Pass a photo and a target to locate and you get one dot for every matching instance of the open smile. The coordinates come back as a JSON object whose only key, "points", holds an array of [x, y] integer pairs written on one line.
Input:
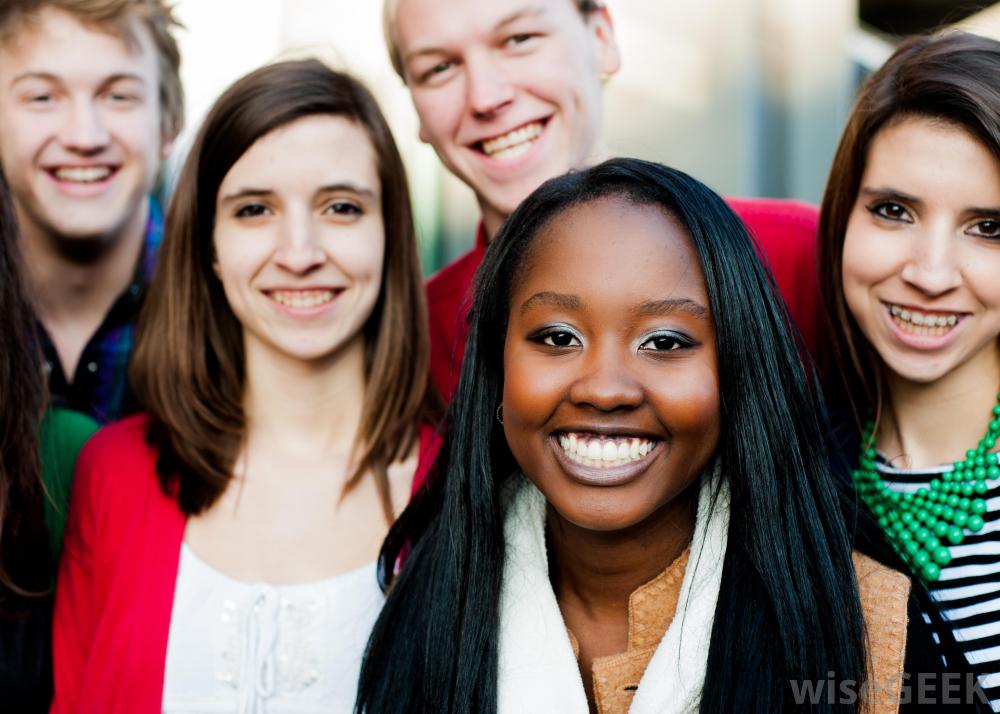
{"points": [[83, 175], [512, 144], [922, 328], [304, 301], [602, 459]]}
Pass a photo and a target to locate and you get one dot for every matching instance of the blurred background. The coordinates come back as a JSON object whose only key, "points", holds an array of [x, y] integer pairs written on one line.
{"points": [[747, 95]]}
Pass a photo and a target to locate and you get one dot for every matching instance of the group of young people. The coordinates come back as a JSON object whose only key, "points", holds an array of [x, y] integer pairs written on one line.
{"points": [[589, 467]]}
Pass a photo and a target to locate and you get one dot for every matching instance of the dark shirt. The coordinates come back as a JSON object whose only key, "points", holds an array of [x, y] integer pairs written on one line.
{"points": [[100, 386]]}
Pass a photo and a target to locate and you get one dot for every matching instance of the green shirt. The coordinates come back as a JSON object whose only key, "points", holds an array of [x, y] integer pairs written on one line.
{"points": [[62, 435]]}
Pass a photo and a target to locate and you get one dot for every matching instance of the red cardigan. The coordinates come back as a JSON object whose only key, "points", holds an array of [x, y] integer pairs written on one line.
{"points": [[786, 236], [117, 576]]}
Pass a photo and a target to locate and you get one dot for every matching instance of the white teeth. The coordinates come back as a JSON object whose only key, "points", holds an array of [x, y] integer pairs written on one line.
{"points": [[302, 298], [88, 174], [598, 452], [920, 323], [514, 143]]}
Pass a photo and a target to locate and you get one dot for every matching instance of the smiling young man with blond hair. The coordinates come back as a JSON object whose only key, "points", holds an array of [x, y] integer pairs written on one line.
{"points": [[90, 102], [508, 92]]}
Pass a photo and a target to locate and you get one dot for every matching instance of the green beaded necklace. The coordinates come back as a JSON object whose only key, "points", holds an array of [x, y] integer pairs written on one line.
{"points": [[919, 524]]}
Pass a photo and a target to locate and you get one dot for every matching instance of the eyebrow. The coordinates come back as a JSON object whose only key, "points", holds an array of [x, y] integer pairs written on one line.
{"points": [[244, 193], [49, 77], [551, 299], [650, 308], [529, 11], [890, 194], [894, 195]]}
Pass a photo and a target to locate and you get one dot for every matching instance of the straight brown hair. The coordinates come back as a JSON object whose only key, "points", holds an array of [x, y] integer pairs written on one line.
{"points": [[953, 77], [188, 369]]}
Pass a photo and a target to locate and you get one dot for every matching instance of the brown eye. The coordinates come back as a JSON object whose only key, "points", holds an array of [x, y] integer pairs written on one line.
{"points": [[252, 210], [891, 211], [559, 339], [665, 342], [988, 228]]}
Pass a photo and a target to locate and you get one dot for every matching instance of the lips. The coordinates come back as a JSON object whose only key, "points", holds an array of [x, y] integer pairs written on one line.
{"points": [[924, 323], [594, 459], [82, 174], [514, 143], [603, 451], [303, 299]]}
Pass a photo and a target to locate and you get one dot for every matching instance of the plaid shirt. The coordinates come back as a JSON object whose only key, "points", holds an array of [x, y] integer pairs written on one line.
{"points": [[100, 385]]}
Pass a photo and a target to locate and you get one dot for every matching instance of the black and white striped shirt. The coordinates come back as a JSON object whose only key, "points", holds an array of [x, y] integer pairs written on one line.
{"points": [[969, 587]]}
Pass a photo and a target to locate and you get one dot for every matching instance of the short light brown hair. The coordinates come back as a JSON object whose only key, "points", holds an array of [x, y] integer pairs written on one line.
{"points": [[389, 13], [118, 17]]}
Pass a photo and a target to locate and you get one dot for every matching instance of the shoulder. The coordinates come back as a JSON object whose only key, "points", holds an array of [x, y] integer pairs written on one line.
{"points": [[116, 452]]}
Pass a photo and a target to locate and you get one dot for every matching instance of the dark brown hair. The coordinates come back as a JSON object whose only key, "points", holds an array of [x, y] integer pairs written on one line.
{"points": [[118, 17], [953, 77], [25, 563], [188, 368]]}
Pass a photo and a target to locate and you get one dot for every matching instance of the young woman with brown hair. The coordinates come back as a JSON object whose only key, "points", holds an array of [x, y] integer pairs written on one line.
{"points": [[221, 550], [910, 254]]}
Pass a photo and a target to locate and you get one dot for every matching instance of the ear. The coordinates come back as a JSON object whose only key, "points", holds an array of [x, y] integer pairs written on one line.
{"points": [[603, 31], [422, 135]]}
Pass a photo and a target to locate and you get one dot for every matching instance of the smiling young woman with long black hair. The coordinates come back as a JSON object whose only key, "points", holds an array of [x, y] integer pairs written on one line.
{"points": [[634, 509]]}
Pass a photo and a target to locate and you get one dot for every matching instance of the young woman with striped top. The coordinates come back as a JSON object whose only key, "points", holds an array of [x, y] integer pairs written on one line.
{"points": [[910, 270]]}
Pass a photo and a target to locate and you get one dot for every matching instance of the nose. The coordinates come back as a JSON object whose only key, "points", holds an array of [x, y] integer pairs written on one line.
{"points": [[933, 267], [605, 382], [84, 130], [299, 250], [488, 87]]}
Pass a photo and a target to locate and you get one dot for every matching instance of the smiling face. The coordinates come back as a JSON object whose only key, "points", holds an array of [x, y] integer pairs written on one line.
{"points": [[922, 251], [299, 238], [611, 394], [80, 140], [508, 92]]}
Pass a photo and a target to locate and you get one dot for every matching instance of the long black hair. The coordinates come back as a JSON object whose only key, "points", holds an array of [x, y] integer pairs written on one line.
{"points": [[789, 606], [25, 558]]}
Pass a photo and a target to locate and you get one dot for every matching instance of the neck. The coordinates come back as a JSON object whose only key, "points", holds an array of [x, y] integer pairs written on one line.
{"points": [[600, 570], [73, 279], [310, 409], [962, 399]]}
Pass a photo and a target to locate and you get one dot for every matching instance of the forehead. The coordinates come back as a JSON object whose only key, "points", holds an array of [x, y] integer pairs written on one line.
{"points": [[933, 159], [420, 23], [306, 154], [56, 43], [614, 252]]}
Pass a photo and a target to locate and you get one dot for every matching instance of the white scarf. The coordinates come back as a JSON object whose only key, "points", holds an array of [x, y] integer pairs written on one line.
{"points": [[538, 671]]}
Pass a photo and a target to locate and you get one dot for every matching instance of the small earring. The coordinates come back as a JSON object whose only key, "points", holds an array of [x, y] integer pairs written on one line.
{"points": [[500, 413]]}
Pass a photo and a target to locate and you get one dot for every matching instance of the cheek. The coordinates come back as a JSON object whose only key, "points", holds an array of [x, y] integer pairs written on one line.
{"points": [[439, 111], [865, 262], [688, 405]]}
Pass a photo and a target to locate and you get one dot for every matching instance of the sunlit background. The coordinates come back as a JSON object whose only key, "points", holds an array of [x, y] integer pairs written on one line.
{"points": [[747, 95]]}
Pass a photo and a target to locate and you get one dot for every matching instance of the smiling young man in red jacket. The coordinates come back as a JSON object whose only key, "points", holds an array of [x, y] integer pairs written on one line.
{"points": [[508, 93]]}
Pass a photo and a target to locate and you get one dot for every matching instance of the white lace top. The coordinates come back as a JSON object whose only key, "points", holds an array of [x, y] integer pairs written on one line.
{"points": [[239, 647]]}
